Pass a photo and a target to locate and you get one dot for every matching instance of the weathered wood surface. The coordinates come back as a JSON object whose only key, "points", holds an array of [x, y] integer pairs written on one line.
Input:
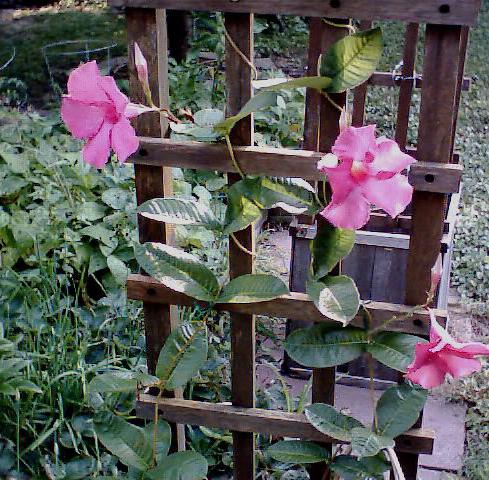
{"points": [[275, 162], [458, 12], [268, 422], [239, 90], [296, 306], [386, 79]]}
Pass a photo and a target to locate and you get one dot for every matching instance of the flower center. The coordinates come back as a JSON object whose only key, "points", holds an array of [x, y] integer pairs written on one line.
{"points": [[359, 171]]}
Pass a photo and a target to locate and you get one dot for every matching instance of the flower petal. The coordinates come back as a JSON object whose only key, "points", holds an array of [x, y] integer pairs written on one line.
{"points": [[96, 151], [474, 348], [459, 366], [119, 100], [392, 195], [83, 120], [340, 179], [141, 66], [430, 375], [83, 84], [135, 109], [422, 355], [353, 212], [354, 143], [390, 158], [124, 140]]}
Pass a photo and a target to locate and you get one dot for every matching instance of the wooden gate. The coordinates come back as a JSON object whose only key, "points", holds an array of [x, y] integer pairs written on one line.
{"points": [[434, 177]]}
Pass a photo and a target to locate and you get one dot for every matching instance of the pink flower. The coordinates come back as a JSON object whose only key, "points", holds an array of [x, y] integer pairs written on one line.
{"points": [[141, 67], [97, 111], [368, 173], [442, 355], [436, 274]]}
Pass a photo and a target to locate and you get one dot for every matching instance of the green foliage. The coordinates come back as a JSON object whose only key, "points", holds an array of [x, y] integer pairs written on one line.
{"points": [[297, 451], [180, 466], [398, 409], [335, 297], [366, 443], [329, 421], [352, 468], [351, 60], [182, 356], [120, 382], [252, 288], [178, 270]]}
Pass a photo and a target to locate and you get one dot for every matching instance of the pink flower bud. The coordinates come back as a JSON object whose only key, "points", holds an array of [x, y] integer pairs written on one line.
{"points": [[141, 67], [436, 273], [345, 119]]}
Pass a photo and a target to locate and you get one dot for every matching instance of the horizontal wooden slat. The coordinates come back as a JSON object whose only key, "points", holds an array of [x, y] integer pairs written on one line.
{"points": [[456, 12], [436, 177], [280, 162], [386, 79], [268, 422], [296, 306]]}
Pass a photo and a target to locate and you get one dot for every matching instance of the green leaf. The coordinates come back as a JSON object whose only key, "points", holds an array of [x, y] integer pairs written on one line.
{"points": [[329, 421], [398, 409], [180, 466], [352, 468], [317, 83], [352, 60], [124, 440], [163, 438], [179, 211], [260, 101], [120, 382], [253, 288], [286, 193], [182, 356], [297, 451], [241, 211], [366, 443], [117, 198], [336, 298], [99, 232], [208, 117], [118, 269], [90, 211], [323, 345], [330, 246], [396, 350], [177, 270]]}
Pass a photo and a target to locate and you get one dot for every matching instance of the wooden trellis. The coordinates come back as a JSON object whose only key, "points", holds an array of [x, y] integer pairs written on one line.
{"points": [[434, 177]]}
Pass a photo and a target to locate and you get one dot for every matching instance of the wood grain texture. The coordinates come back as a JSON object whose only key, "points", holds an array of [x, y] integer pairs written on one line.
{"points": [[458, 12], [407, 85], [239, 90], [386, 79], [275, 162], [434, 145], [268, 422], [297, 306]]}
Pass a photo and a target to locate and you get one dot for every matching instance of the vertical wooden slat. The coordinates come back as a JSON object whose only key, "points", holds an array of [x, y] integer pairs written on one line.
{"points": [[407, 85], [360, 93], [239, 91], [435, 139]]}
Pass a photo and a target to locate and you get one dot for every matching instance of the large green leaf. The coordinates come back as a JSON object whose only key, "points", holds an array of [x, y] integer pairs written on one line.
{"points": [[352, 60], [163, 438], [329, 421], [180, 466], [259, 102], [399, 408], [298, 451], [179, 211], [330, 246], [335, 297], [291, 194], [241, 210], [317, 83], [120, 382], [124, 440], [352, 468], [323, 346], [253, 288], [396, 350], [366, 443], [177, 270], [182, 356]]}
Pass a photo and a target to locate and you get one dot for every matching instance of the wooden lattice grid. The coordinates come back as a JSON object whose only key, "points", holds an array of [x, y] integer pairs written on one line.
{"points": [[434, 177]]}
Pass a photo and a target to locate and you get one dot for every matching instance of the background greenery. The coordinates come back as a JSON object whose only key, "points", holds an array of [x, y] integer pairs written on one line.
{"points": [[66, 234]]}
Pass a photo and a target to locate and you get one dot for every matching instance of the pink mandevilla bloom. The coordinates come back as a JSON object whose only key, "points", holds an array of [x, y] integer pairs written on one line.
{"points": [[97, 111], [443, 356], [141, 67], [368, 172]]}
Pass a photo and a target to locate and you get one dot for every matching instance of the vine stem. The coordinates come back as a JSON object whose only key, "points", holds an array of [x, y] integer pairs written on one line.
{"points": [[233, 157], [330, 100], [241, 54], [241, 246], [396, 466], [348, 25]]}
